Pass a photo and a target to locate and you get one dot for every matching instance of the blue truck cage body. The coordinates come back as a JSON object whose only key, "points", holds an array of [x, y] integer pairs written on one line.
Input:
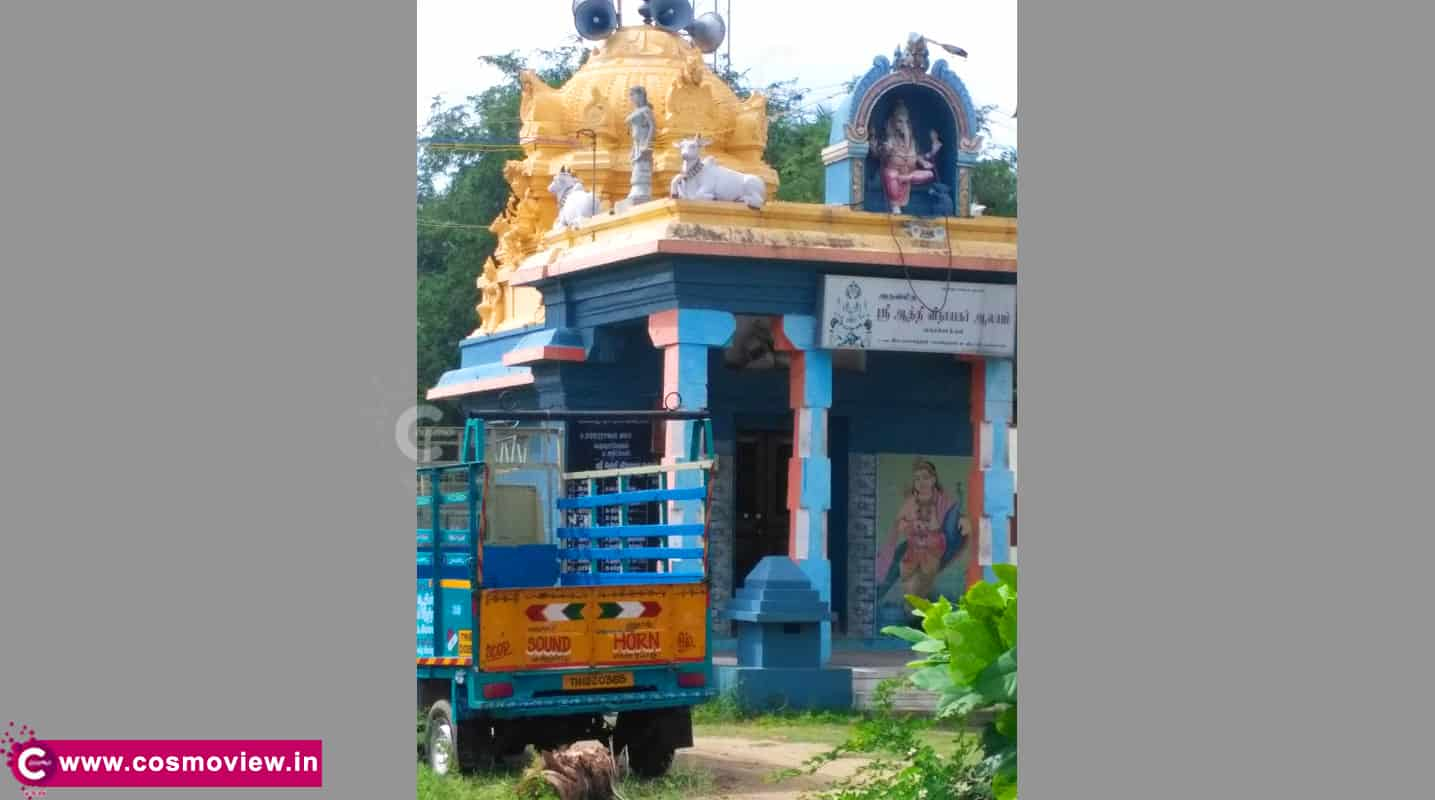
{"points": [[456, 565]]}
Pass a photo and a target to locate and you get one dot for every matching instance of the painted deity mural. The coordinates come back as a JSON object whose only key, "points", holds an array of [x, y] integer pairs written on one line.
{"points": [[924, 533]]}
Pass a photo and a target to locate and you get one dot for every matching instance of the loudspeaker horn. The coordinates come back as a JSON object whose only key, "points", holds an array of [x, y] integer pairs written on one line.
{"points": [[670, 15], [708, 32], [595, 19]]}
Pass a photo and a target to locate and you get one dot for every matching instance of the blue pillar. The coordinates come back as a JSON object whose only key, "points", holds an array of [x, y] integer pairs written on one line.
{"points": [[685, 336], [997, 479], [844, 163], [809, 473]]}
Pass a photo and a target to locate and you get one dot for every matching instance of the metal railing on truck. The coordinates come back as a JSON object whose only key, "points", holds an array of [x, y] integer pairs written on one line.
{"points": [[449, 557], [620, 554], [591, 551], [613, 549]]}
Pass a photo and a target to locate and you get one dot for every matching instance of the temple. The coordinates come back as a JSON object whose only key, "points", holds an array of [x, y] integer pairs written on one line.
{"points": [[856, 356]]}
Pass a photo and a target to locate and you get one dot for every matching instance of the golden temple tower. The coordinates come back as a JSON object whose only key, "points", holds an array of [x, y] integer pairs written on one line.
{"points": [[688, 99]]}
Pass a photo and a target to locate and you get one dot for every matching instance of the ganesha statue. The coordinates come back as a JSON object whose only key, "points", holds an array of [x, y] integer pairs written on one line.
{"points": [[902, 165]]}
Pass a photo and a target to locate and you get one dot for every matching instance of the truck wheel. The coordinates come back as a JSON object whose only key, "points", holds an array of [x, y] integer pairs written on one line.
{"points": [[475, 745], [652, 737], [441, 746], [516, 758], [650, 759]]}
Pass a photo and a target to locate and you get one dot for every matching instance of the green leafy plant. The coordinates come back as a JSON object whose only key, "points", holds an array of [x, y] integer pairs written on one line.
{"points": [[902, 763], [969, 660]]}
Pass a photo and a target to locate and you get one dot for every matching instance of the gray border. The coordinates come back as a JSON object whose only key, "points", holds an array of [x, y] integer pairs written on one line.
{"points": [[207, 321], [1218, 359]]}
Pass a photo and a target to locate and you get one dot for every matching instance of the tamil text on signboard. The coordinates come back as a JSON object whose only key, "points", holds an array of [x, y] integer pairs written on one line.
{"points": [[918, 316]]}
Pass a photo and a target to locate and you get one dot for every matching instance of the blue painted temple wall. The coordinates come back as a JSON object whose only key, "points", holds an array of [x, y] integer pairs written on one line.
{"points": [[900, 403]]}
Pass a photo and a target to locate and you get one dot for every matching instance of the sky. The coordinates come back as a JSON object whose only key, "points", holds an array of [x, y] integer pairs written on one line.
{"points": [[820, 42]]}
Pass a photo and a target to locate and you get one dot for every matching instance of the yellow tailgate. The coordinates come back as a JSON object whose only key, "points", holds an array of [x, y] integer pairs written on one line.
{"points": [[534, 629], [522, 629]]}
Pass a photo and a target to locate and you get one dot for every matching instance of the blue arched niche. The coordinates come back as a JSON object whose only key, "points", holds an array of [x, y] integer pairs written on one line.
{"points": [[937, 99], [928, 111]]}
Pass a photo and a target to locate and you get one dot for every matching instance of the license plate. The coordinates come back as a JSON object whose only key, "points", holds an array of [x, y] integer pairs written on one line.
{"points": [[587, 681]]}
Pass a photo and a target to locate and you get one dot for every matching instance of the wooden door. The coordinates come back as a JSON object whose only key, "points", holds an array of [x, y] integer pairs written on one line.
{"points": [[762, 520]]}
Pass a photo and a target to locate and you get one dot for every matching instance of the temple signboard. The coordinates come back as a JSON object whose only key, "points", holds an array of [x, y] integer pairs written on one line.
{"points": [[860, 313], [596, 444]]}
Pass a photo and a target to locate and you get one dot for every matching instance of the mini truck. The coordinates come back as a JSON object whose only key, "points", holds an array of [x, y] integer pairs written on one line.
{"points": [[597, 627]]}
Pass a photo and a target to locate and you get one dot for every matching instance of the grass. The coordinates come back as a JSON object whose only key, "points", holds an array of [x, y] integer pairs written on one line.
{"points": [[719, 717], [682, 783], [723, 717]]}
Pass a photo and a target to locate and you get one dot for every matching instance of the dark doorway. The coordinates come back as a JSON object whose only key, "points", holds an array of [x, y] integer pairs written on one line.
{"points": [[762, 516]]}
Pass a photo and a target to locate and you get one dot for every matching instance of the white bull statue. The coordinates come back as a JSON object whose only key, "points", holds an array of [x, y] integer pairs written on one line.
{"points": [[705, 179], [575, 204]]}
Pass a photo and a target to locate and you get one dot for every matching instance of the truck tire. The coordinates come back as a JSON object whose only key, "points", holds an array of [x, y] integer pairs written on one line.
{"points": [[441, 740], [475, 745], [650, 759], [652, 738], [517, 758]]}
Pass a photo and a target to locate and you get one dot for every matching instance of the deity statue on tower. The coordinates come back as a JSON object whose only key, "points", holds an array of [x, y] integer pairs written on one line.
{"points": [[643, 125], [902, 166]]}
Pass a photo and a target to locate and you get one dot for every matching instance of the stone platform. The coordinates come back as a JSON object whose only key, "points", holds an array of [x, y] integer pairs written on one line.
{"points": [[869, 668]]}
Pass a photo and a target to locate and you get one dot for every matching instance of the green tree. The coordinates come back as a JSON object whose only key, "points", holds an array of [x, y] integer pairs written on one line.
{"points": [[994, 177], [794, 148], [797, 130], [994, 184], [460, 191]]}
